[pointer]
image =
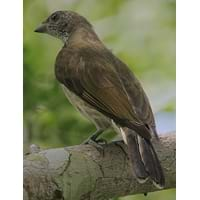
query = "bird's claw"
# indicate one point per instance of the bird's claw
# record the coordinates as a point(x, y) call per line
point(98, 143)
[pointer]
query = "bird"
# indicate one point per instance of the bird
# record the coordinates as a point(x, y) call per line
point(104, 90)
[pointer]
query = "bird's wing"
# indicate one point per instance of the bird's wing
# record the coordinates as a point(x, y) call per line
point(136, 95)
point(95, 79)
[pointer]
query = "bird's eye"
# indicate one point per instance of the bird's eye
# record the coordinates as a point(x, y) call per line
point(55, 17)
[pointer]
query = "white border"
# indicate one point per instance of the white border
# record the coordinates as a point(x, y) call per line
point(188, 101)
point(11, 100)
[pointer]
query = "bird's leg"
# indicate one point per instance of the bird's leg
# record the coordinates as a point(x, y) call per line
point(93, 138)
point(96, 134)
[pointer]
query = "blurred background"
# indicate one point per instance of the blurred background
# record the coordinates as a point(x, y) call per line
point(140, 32)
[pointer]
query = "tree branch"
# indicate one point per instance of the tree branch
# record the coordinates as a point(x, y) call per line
point(85, 172)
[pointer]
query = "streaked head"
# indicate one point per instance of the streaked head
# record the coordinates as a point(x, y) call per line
point(61, 24)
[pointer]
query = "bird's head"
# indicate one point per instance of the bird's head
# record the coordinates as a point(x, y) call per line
point(61, 24)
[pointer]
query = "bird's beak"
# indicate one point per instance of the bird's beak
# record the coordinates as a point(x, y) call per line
point(41, 29)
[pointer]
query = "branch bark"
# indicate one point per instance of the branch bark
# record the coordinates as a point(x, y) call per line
point(85, 172)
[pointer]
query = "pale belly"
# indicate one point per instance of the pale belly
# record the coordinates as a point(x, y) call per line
point(98, 119)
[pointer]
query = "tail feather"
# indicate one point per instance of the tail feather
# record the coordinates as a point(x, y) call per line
point(136, 160)
point(161, 178)
point(151, 162)
point(144, 159)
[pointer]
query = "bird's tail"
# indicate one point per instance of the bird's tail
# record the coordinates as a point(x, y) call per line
point(143, 158)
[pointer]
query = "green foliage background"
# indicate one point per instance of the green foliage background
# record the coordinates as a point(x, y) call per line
point(140, 32)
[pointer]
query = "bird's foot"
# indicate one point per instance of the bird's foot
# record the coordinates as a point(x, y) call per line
point(98, 143)
point(93, 139)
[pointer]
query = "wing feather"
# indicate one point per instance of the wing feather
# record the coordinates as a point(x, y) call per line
point(96, 80)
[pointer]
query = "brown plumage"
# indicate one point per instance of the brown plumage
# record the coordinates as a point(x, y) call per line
point(104, 90)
